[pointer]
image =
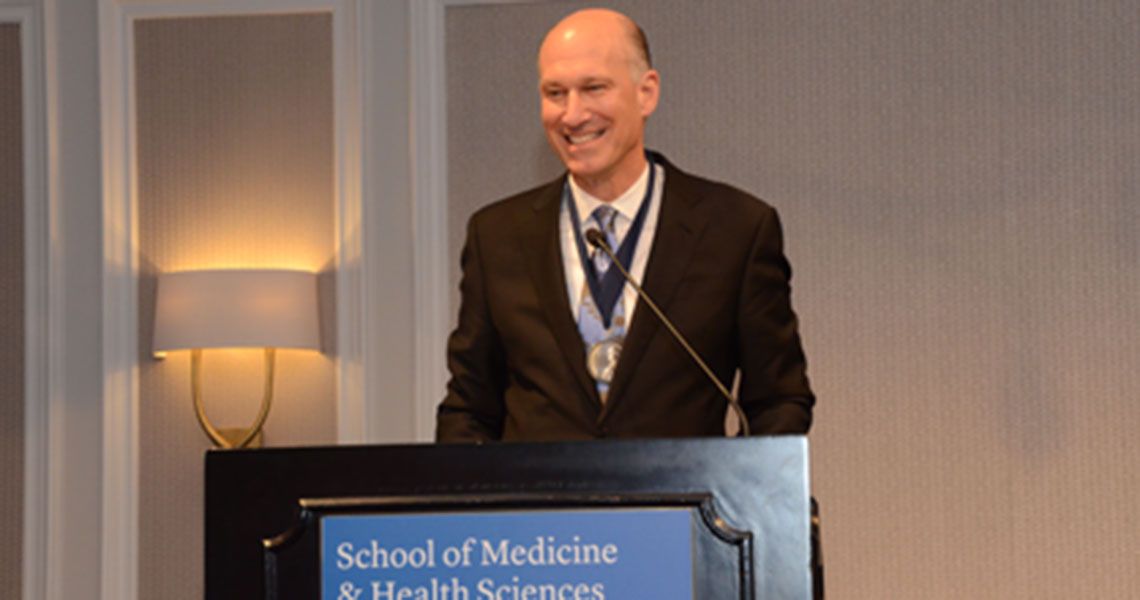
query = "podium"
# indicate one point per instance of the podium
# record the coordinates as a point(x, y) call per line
point(704, 518)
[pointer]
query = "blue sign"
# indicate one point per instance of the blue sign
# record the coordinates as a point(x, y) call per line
point(622, 554)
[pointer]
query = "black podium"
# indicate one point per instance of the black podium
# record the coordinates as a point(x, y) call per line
point(748, 499)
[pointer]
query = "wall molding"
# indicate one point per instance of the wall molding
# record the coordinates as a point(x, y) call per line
point(351, 301)
point(120, 543)
point(374, 313)
point(39, 317)
point(429, 209)
point(120, 527)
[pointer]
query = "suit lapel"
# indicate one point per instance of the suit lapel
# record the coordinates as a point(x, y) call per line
point(679, 226)
point(540, 224)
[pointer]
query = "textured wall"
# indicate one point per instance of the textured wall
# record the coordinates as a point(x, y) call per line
point(235, 169)
point(11, 311)
point(958, 186)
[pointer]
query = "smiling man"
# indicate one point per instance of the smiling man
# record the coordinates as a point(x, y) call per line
point(552, 344)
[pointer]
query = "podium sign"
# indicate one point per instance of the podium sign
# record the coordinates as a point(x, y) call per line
point(570, 554)
point(692, 519)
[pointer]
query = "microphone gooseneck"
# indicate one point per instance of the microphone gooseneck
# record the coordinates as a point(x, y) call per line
point(597, 240)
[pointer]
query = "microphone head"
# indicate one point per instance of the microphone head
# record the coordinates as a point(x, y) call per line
point(596, 238)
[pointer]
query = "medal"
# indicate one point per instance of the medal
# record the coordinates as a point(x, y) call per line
point(602, 359)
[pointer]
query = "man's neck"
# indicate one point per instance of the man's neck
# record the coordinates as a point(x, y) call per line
point(608, 187)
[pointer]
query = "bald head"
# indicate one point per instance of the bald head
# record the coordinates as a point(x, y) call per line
point(601, 24)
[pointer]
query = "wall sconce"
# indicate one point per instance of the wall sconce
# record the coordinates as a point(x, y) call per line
point(268, 309)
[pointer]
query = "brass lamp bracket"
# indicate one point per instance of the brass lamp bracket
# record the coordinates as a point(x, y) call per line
point(231, 438)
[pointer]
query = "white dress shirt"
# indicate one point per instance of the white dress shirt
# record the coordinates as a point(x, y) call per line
point(626, 206)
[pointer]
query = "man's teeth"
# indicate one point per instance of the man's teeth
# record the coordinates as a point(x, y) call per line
point(585, 137)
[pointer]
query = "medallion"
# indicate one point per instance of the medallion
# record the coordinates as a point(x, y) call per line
point(602, 359)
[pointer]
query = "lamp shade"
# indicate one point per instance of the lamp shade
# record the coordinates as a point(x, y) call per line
point(236, 309)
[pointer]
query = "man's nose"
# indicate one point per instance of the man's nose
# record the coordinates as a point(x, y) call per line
point(576, 112)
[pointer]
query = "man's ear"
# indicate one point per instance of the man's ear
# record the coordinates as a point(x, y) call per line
point(648, 91)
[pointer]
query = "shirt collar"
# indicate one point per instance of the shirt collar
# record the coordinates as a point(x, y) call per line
point(627, 204)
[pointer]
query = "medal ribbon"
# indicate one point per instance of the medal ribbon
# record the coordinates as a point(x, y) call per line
point(607, 289)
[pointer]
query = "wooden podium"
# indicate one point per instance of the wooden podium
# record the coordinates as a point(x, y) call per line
point(748, 499)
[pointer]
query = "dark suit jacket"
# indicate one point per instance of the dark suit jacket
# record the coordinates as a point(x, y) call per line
point(717, 269)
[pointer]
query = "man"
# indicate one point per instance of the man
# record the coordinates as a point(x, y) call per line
point(551, 344)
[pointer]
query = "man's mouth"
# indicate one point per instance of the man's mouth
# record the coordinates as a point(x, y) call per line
point(582, 138)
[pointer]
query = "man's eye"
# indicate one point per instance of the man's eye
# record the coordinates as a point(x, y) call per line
point(555, 94)
point(595, 87)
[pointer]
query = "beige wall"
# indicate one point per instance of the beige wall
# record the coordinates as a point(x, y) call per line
point(958, 186)
point(11, 311)
point(235, 164)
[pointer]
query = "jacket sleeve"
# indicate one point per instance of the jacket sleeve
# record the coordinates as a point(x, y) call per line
point(774, 389)
point(473, 409)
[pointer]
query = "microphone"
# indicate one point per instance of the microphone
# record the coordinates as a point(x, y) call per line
point(597, 240)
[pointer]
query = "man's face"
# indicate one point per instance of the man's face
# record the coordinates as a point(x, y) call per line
point(593, 105)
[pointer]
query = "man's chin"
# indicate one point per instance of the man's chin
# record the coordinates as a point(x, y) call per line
point(584, 175)
point(581, 162)
point(578, 167)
